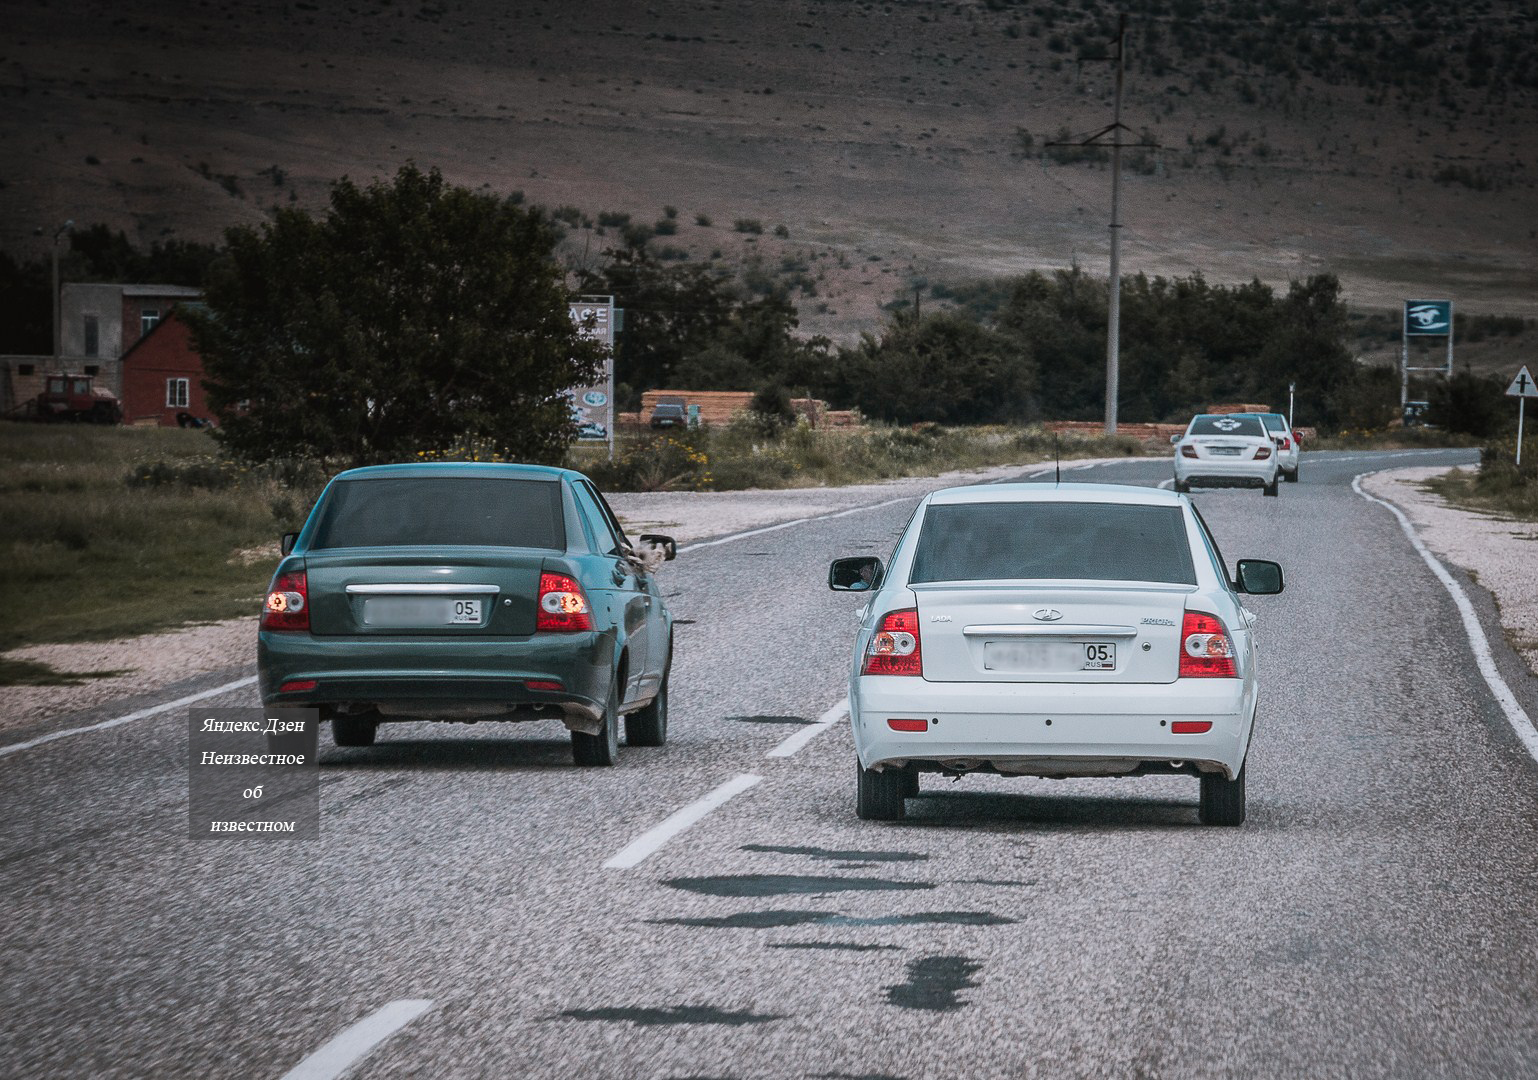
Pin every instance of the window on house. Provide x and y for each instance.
(26, 369)
(93, 369)
(92, 336)
(148, 317)
(176, 393)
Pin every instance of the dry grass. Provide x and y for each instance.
(89, 557)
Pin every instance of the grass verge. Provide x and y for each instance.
(747, 453)
(114, 532)
(1499, 486)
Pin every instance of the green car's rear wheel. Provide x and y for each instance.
(353, 731)
(602, 748)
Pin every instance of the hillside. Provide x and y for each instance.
(886, 140)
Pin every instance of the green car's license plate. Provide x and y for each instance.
(416, 611)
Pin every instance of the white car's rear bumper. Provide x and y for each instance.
(1041, 729)
(1217, 472)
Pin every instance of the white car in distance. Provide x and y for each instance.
(1288, 444)
(1226, 450)
(1057, 631)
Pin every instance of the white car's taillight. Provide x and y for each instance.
(894, 647)
(563, 606)
(1206, 650)
(1262, 452)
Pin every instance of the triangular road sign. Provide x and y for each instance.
(1522, 385)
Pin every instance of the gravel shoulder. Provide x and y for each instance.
(1501, 555)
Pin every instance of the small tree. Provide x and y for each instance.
(411, 317)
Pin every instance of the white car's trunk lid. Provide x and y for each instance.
(1111, 632)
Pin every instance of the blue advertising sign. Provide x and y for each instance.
(1428, 318)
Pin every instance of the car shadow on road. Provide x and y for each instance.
(460, 755)
(964, 809)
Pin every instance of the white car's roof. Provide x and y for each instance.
(1125, 494)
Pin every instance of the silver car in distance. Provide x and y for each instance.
(1041, 630)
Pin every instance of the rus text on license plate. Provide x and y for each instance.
(420, 611)
(1049, 656)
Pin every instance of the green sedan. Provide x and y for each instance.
(470, 592)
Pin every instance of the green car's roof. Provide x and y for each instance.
(458, 468)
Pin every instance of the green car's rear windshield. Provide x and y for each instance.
(1074, 541)
(441, 511)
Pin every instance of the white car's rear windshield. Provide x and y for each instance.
(1088, 541)
(441, 511)
(1243, 424)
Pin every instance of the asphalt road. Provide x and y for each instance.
(1373, 918)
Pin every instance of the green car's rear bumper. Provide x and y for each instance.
(435, 674)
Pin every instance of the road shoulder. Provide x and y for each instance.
(1499, 555)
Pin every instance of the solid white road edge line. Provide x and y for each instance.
(1520, 722)
(649, 842)
(811, 731)
(154, 710)
(357, 1042)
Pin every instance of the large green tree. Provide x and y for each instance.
(411, 316)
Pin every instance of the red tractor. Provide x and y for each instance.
(75, 399)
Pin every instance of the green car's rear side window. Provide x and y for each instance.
(441, 511)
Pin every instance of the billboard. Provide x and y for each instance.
(593, 406)
(1428, 318)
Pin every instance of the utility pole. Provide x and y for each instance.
(58, 327)
(1113, 327)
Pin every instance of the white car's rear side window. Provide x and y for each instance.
(1088, 541)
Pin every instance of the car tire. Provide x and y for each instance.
(1182, 487)
(1273, 487)
(649, 726)
(602, 748)
(1222, 799)
(353, 731)
(1292, 477)
(879, 795)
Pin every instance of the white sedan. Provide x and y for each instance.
(1226, 450)
(1053, 630)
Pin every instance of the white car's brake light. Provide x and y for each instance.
(894, 647)
(1206, 650)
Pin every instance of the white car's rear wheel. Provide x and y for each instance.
(1222, 800)
(879, 795)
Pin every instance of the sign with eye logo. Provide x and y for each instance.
(1428, 318)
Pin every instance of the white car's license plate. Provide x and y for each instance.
(1047, 657)
(1223, 451)
(420, 611)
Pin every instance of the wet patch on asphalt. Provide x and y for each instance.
(933, 983)
(752, 920)
(829, 854)
(770, 719)
(774, 920)
(787, 884)
(842, 945)
(677, 1014)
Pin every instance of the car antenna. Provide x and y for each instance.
(1057, 455)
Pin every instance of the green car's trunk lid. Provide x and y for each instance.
(400, 591)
